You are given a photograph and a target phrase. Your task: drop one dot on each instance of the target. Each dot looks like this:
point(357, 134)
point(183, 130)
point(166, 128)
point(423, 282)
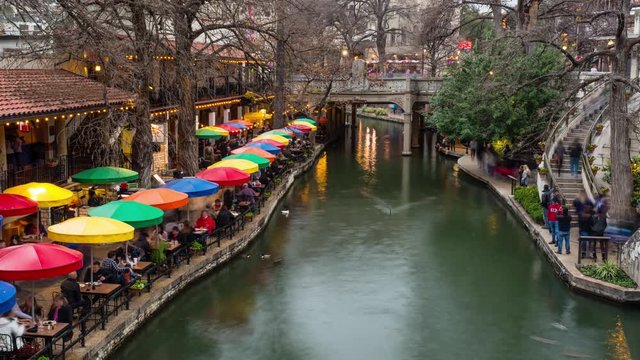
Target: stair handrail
point(559, 129)
point(589, 179)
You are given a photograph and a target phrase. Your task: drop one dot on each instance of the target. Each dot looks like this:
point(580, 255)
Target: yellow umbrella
point(281, 139)
point(222, 131)
point(93, 230)
point(45, 194)
point(243, 165)
point(302, 123)
point(257, 116)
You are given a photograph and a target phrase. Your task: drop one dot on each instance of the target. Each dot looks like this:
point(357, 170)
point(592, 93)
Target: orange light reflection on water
point(321, 177)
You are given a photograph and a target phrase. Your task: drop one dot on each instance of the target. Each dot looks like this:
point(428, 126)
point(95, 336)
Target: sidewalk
point(564, 265)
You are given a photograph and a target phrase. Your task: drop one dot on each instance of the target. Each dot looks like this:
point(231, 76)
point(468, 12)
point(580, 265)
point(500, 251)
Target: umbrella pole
point(93, 286)
point(38, 224)
point(33, 301)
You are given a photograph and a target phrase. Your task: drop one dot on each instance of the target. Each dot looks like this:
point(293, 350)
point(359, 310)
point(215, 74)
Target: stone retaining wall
point(101, 344)
point(631, 257)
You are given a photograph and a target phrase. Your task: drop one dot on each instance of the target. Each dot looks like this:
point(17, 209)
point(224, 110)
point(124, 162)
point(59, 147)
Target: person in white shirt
point(10, 326)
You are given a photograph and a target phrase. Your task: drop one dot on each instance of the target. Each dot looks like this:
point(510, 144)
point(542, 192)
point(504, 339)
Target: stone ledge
point(101, 343)
point(572, 277)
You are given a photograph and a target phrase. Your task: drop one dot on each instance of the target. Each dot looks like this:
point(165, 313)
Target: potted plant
point(159, 258)
point(543, 171)
point(591, 159)
point(196, 247)
point(599, 128)
point(591, 148)
point(603, 190)
point(541, 144)
point(594, 169)
point(538, 158)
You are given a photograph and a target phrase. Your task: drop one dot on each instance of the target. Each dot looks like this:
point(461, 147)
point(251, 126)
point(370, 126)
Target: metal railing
point(590, 186)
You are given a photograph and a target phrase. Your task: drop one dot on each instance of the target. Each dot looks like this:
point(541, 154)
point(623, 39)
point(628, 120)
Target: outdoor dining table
point(103, 290)
point(45, 333)
point(142, 266)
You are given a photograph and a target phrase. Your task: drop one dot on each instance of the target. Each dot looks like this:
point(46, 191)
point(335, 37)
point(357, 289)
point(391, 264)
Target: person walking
point(564, 230)
point(473, 145)
point(524, 175)
point(584, 227)
point(574, 158)
point(545, 201)
point(558, 155)
point(581, 202)
point(555, 209)
point(598, 226)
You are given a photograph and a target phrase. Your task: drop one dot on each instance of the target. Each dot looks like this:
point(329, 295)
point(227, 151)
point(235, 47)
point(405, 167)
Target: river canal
point(385, 257)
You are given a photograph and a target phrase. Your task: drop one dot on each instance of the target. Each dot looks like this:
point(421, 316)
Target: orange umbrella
point(256, 151)
point(162, 198)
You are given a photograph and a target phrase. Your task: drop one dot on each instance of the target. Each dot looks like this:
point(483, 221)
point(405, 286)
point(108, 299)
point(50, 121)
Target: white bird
point(285, 213)
point(265, 257)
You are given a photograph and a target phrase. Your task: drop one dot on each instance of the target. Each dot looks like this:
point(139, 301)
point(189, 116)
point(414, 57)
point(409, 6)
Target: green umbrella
point(312, 122)
point(281, 133)
point(133, 213)
point(206, 133)
point(105, 175)
point(258, 160)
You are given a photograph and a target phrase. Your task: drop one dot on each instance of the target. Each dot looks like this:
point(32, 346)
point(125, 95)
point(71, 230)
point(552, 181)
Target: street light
point(345, 52)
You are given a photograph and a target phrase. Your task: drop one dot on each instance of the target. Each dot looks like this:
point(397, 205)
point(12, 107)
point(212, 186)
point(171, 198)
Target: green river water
point(385, 257)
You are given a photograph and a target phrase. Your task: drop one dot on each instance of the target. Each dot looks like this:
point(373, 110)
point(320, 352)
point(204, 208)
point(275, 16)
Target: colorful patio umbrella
point(260, 161)
point(255, 151)
point(242, 165)
point(300, 128)
point(222, 131)
point(90, 230)
point(248, 124)
point(16, 205)
point(136, 214)
point(208, 133)
point(162, 198)
point(45, 194)
point(105, 175)
point(280, 132)
point(307, 120)
point(94, 230)
point(277, 138)
point(37, 261)
point(230, 128)
point(299, 123)
point(193, 187)
point(270, 142)
point(237, 125)
point(7, 296)
point(264, 146)
point(296, 132)
point(224, 176)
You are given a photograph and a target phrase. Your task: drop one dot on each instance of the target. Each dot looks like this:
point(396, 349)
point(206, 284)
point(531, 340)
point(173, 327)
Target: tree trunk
point(187, 150)
point(381, 46)
point(621, 210)
point(533, 14)
point(279, 102)
point(496, 11)
point(141, 147)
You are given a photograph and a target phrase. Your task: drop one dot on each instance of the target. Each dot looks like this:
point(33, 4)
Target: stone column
point(406, 135)
point(61, 138)
point(197, 121)
point(415, 131)
point(212, 118)
point(239, 112)
point(227, 113)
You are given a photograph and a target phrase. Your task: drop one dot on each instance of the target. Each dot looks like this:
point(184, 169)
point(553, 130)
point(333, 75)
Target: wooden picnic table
point(142, 266)
point(102, 290)
point(45, 333)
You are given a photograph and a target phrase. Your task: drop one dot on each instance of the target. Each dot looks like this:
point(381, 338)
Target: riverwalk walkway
point(564, 265)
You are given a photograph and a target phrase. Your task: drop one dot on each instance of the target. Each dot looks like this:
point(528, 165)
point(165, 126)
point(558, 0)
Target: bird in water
point(285, 213)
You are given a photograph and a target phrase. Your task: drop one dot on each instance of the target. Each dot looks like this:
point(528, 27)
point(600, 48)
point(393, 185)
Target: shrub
point(196, 246)
point(528, 198)
point(609, 272)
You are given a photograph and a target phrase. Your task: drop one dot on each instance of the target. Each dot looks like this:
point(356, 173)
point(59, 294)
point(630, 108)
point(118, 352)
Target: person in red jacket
point(205, 221)
point(555, 210)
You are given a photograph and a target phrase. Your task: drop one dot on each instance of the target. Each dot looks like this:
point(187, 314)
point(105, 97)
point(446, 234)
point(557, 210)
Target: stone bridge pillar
point(406, 134)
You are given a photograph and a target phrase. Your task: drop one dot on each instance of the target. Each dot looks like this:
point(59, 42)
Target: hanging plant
point(591, 159)
point(594, 169)
point(538, 158)
point(599, 129)
point(543, 171)
point(591, 147)
point(541, 144)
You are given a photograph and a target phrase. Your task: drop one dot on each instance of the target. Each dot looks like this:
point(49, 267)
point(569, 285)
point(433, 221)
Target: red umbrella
point(271, 142)
point(37, 261)
point(16, 205)
point(224, 176)
point(323, 120)
point(230, 128)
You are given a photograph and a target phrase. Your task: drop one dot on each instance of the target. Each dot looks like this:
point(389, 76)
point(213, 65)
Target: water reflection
point(320, 175)
point(367, 152)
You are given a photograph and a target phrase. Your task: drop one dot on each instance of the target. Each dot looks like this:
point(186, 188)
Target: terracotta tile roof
point(26, 92)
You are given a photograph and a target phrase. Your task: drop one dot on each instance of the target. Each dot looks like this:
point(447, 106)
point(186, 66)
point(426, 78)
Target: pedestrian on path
point(525, 173)
point(598, 226)
point(558, 156)
point(554, 210)
point(584, 227)
point(564, 230)
point(575, 153)
point(473, 145)
point(545, 201)
point(581, 202)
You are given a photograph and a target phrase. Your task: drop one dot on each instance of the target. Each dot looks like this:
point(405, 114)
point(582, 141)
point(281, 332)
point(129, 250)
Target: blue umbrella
point(7, 297)
point(193, 187)
point(1, 218)
point(266, 147)
point(295, 131)
point(237, 125)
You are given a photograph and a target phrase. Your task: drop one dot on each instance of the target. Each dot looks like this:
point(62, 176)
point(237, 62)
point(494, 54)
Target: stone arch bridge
point(413, 96)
